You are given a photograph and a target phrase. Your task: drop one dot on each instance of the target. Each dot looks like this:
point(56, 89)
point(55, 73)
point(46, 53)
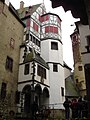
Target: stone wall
point(11, 36)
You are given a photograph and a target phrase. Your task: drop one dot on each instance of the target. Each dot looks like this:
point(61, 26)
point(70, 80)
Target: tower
point(52, 52)
point(79, 75)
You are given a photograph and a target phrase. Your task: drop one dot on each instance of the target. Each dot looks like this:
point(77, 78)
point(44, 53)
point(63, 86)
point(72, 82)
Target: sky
point(67, 25)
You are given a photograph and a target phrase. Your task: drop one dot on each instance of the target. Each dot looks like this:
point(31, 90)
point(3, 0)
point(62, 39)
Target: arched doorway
point(27, 98)
point(45, 96)
point(38, 94)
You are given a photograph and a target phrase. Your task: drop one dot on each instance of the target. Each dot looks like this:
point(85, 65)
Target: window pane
point(62, 91)
point(9, 63)
point(26, 70)
point(54, 45)
point(28, 23)
point(35, 26)
point(80, 68)
point(27, 36)
point(46, 29)
point(41, 71)
point(88, 40)
point(55, 68)
point(3, 90)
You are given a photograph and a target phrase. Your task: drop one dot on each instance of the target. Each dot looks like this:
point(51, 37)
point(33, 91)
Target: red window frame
point(35, 26)
point(51, 29)
point(28, 23)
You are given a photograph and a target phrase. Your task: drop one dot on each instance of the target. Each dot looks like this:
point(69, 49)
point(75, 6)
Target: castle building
point(11, 35)
point(79, 74)
point(41, 72)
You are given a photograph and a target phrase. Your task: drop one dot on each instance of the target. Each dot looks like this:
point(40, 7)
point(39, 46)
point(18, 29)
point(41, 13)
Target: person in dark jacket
point(66, 104)
point(80, 107)
point(74, 108)
point(85, 108)
point(34, 110)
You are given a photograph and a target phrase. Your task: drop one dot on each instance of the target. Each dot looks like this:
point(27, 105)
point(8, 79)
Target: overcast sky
point(67, 21)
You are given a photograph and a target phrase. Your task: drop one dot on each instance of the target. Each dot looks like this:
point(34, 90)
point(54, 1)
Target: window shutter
point(47, 29)
point(28, 23)
point(51, 29)
point(55, 30)
point(47, 17)
point(35, 26)
point(42, 19)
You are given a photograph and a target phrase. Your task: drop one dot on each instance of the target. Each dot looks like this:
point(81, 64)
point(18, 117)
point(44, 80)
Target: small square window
point(26, 70)
point(80, 68)
point(55, 68)
point(54, 45)
point(76, 80)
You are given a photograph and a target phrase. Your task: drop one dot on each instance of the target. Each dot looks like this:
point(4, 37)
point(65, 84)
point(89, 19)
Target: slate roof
point(30, 10)
point(71, 89)
point(36, 57)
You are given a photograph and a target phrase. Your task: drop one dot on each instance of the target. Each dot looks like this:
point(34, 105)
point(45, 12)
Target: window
point(88, 40)
point(17, 97)
point(76, 80)
point(12, 42)
point(27, 36)
point(28, 23)
point(38, 43)
point(41, 71)
point(26, 70)
point(51, 29)
point(9, 63)
point(35, 26)
point(31, 37)
point(34, 40)
point(80, 68)
point(55, 68)
point(62, 91)
point(3, 90)
point(54, 45)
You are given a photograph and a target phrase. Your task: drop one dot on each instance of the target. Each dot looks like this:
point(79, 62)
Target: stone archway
point(38, 94)
point(27, 98)
point(45, 96)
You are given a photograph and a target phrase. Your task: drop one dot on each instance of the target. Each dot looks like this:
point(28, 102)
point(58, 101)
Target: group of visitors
point(78, 108)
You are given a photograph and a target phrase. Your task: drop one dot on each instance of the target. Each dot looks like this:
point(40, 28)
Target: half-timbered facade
point(41, 73)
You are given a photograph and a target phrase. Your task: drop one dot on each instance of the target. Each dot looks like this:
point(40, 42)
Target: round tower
point(52, 52)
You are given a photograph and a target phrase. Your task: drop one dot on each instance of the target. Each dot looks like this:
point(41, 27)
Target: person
point(74, 108)
point(85, 108)
point(34, 110)
point(80, 107)
point(67, 104)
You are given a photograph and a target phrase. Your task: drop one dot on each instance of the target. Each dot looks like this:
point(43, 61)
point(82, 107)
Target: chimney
point(21, 4)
